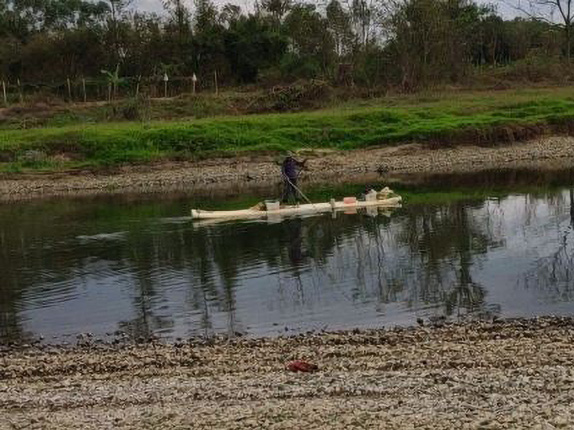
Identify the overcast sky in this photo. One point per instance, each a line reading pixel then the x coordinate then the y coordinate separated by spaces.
pixel 157 5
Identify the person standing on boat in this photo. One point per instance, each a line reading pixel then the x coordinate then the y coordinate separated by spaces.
pixel 290 170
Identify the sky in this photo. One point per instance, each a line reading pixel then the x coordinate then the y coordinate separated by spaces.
pixel 157 5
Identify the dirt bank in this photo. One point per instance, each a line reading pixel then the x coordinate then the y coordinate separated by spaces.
pixel 325 166
pixel 513 374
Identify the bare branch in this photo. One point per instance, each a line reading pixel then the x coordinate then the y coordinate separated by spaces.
pixel 535 11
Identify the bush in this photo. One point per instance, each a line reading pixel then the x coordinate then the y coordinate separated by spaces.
pixel 294 66
pixel 301 95
pixel 133 109
pixel 534 69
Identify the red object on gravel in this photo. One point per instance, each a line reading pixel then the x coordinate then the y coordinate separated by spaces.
pixel 301 366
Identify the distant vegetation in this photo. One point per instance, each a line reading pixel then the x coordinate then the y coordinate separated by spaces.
pixel 399 44
pixel 330 75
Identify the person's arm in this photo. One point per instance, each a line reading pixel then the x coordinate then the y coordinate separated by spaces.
pixel 302 163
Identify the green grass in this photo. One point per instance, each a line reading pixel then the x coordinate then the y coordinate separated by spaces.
pixel 460 118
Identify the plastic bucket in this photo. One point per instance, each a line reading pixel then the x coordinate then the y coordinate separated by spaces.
pixel 350 200
pixel 272 205
pixel 371 196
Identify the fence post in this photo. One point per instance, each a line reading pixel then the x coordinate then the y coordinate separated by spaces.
pixel 165 81
pixel 216 85
pixel 69 90
pixel 84 90
pixel 4 92
pixel 20 92
pixel 138 86
pixel 109 91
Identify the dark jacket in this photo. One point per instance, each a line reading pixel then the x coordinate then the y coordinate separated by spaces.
pixel 290 167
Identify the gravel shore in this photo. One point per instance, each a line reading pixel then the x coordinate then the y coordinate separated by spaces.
pixel 501 374
pixel 324 166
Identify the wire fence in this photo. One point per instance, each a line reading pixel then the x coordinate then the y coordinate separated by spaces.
pixel 78 90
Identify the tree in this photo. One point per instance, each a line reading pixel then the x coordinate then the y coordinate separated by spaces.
pixel 277 8
pixel 114 80
pixel 433 39
pixel 230 13
pixel 547 11
pixel 209 45
pixel 311 44
pixel 362 19
pixel 339 22
pixel 251 45
pixel 117 10
pixel 180 17
pixel 206 15
pixel 566 13
pixel 62 15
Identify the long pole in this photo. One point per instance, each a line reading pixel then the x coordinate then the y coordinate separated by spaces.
pixel 4 92
pixel 84 90
pixel 297 189
pixel 216 84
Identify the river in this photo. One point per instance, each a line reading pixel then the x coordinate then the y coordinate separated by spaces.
pixel 138 265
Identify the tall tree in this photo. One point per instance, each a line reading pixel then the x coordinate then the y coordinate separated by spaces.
pixel 209 44
pixel 180 17
pixel 311 43
pixel 362 12
pixel 230 13
pixel 251 45
pixel 546 9
pixel 118 9
pixel 339 22
pixel 277 8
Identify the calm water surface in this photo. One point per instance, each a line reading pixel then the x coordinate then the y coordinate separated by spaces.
pixel 141 266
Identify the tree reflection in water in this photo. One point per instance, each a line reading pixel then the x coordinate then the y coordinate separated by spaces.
pixel 186 279
pixel 554 272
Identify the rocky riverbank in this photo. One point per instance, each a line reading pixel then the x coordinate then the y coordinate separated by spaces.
pixel 233 174
pixel 500 374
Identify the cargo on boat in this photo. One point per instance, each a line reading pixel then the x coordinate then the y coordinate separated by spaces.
pixel 384 198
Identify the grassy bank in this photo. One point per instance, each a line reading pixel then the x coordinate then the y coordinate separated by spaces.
pixel 479 118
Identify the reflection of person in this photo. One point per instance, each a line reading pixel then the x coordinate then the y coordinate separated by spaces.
pixel 290 169
pixel 294 236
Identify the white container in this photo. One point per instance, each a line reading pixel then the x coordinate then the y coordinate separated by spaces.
pixel 272 205
pixel 371 196
pixel 384 193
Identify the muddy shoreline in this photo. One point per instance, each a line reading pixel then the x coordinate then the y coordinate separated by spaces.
pixel 229 175
pixel 497 374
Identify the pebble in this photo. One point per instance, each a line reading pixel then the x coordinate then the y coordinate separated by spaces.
pixel 478 374
pixel 230 175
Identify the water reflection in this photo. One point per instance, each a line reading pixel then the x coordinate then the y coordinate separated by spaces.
pixel 554 272
pixel 98 266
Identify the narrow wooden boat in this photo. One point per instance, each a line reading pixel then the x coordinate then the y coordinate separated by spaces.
pixel 303 209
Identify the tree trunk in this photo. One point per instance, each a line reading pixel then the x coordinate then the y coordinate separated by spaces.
pixel 568 42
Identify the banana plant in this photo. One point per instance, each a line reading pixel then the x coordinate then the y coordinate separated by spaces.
pixel 114 81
